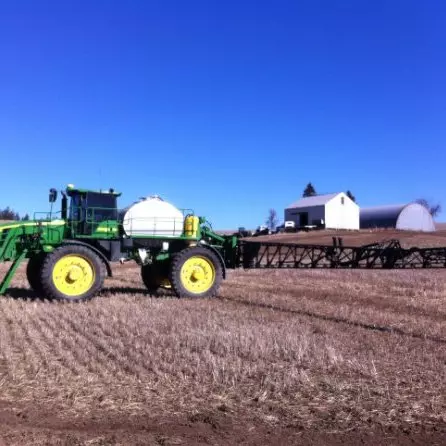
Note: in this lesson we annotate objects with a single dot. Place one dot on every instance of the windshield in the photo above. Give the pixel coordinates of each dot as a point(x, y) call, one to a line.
point(98, 207)
point(101, 206)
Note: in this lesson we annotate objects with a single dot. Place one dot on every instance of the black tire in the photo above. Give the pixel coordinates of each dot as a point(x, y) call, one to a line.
point(179, 260)
point(94, 265)
point(154, 275)
point(33, 269)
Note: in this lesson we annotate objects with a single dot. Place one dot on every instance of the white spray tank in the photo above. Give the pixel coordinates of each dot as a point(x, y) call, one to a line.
point(152, 216)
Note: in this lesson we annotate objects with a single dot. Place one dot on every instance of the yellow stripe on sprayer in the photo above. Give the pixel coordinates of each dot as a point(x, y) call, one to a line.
point(105, 230)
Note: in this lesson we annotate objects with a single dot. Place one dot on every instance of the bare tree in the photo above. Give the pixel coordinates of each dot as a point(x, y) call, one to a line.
point(272, 219)
point(434, 209)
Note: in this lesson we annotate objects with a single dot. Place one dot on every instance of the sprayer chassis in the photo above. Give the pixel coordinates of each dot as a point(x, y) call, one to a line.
point(192, 265)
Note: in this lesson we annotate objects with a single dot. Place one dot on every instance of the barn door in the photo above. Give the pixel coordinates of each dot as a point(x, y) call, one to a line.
point(303, 218)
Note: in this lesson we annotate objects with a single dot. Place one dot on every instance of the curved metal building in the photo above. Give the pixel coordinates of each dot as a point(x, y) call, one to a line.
point(409, 217)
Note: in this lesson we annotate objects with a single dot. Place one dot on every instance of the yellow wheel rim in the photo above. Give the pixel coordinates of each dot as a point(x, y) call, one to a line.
point(73, 275)
point(197, 274)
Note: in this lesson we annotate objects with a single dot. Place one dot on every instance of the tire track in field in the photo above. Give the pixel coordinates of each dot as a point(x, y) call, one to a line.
point(108, 356)
point(336, 297)
point(335, 319)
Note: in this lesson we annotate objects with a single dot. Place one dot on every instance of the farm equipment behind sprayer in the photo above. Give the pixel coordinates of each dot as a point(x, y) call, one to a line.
point(70, 251)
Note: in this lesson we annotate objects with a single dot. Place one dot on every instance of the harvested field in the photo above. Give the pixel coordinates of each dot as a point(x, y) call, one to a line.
point(280, 357)
point(361, 237)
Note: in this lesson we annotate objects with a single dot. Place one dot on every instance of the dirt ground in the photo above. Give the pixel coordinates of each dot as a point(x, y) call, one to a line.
point(302, 357)
point(30, 425)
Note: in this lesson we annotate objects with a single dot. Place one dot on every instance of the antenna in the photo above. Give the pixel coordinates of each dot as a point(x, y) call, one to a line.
point(100, 175)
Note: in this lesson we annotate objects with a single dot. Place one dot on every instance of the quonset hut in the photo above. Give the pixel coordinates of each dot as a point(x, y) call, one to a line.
point(409, 217)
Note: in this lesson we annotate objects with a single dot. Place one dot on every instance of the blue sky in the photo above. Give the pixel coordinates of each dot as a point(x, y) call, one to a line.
point(227, 107)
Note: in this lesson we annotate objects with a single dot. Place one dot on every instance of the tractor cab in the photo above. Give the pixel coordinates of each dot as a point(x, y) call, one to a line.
point(90, 211)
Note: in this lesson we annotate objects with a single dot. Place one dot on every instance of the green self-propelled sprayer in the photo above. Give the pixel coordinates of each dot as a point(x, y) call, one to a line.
point(70, 251)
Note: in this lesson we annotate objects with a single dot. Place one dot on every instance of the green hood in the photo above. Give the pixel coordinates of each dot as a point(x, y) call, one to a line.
point(29, 223)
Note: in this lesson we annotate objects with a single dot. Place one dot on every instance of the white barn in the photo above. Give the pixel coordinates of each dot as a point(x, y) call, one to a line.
point(332, 211)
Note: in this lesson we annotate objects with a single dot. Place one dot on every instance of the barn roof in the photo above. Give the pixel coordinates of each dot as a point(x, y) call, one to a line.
point(315, 200)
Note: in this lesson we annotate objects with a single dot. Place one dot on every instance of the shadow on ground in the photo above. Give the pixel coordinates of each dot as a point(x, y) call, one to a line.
point(28, 294)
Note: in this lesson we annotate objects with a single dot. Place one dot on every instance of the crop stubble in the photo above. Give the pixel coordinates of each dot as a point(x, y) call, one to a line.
point(290, 351)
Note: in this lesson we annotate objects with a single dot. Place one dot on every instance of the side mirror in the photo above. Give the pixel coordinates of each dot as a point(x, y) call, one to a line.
point(53, 195)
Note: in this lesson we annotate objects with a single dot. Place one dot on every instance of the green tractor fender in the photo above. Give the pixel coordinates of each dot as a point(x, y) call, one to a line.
point(218, 254)
point(95, 250)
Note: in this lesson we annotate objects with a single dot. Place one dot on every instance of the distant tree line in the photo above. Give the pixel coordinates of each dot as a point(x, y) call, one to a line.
point(9, 214)
point(310, 191)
